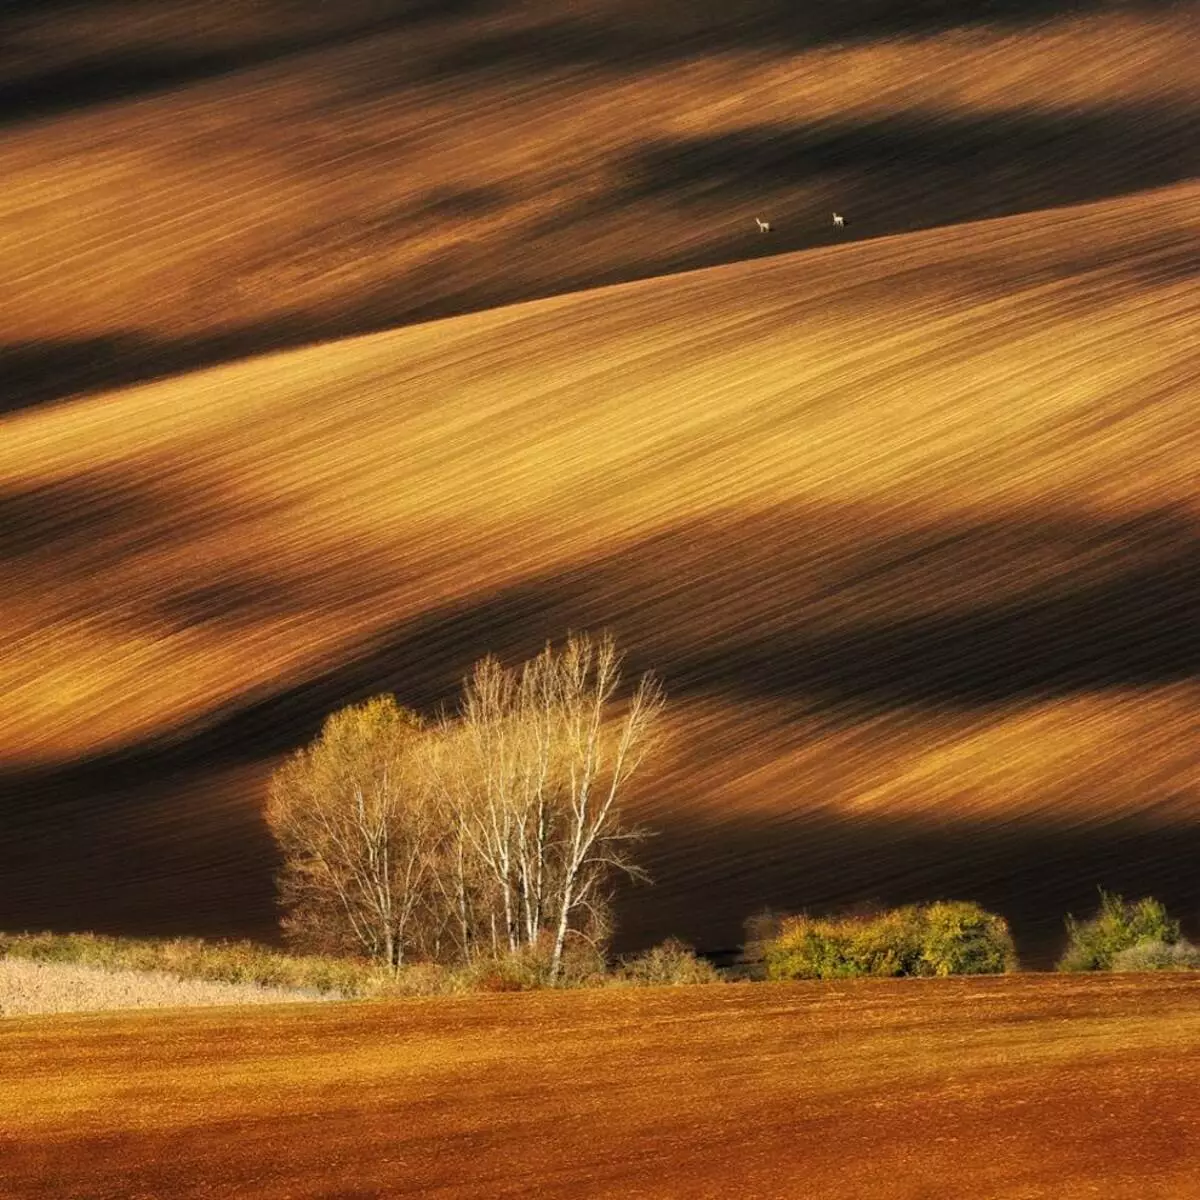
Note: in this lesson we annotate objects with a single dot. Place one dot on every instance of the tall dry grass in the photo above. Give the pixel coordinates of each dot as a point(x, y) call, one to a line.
point(230, 963)
point(28, 986)
point(48, 972)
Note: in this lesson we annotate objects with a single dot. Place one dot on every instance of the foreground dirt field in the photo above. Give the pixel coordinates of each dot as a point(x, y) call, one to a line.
point(1009, 1089)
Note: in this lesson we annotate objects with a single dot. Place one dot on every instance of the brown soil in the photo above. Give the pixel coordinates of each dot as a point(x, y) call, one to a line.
point(1017, 1087)
point(195, 180)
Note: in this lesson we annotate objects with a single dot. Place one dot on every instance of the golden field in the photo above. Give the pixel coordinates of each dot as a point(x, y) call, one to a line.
point(905, 519)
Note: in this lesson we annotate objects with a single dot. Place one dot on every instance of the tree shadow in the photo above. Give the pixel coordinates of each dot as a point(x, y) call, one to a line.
point(787, 609)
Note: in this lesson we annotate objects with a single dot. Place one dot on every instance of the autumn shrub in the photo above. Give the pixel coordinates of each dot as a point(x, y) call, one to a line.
point(1118, 925)
point(961, 938)
point(1158, 956)
point(669, 963)
point(521, 970)
point(531, 966)
point(939, 939)
point(422, 979)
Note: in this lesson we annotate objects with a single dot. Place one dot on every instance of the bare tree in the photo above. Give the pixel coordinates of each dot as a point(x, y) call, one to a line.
point(546, 753)
point(356, 820)
point(601, 757)
point(499, 782)
point(498, 831)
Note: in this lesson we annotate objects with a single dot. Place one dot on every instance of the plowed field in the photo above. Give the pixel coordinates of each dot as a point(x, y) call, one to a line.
point(908, 527)
point(998, 1088)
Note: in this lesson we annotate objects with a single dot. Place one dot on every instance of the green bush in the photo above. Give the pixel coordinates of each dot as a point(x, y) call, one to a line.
point(944, 938)
point(1119, 925)
point(1158, 956)
point(669, 963)
point(963, 939)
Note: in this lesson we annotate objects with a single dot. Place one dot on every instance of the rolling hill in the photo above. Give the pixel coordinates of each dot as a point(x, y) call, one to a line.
point(906, 521)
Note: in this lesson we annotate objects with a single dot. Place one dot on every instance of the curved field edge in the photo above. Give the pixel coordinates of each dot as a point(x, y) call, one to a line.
point(877, 1088)
point(187, 188)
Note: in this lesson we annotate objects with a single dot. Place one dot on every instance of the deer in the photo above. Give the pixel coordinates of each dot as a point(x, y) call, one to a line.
point(763, 226)
point(839, 222)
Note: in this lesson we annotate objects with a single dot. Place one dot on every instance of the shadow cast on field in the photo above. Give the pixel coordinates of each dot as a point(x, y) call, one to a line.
point(172, 869)
point(613, 35)
point(783, 608)
point(66, 529)
point(848, 607)
point(917, 170)
point(710, 877)
point(70, 82)
point(64, 517)
point(43, 371)
point(623, 35)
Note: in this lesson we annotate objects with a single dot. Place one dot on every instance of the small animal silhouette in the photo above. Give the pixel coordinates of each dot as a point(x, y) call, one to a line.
point(839, 222)
point(763, 226)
